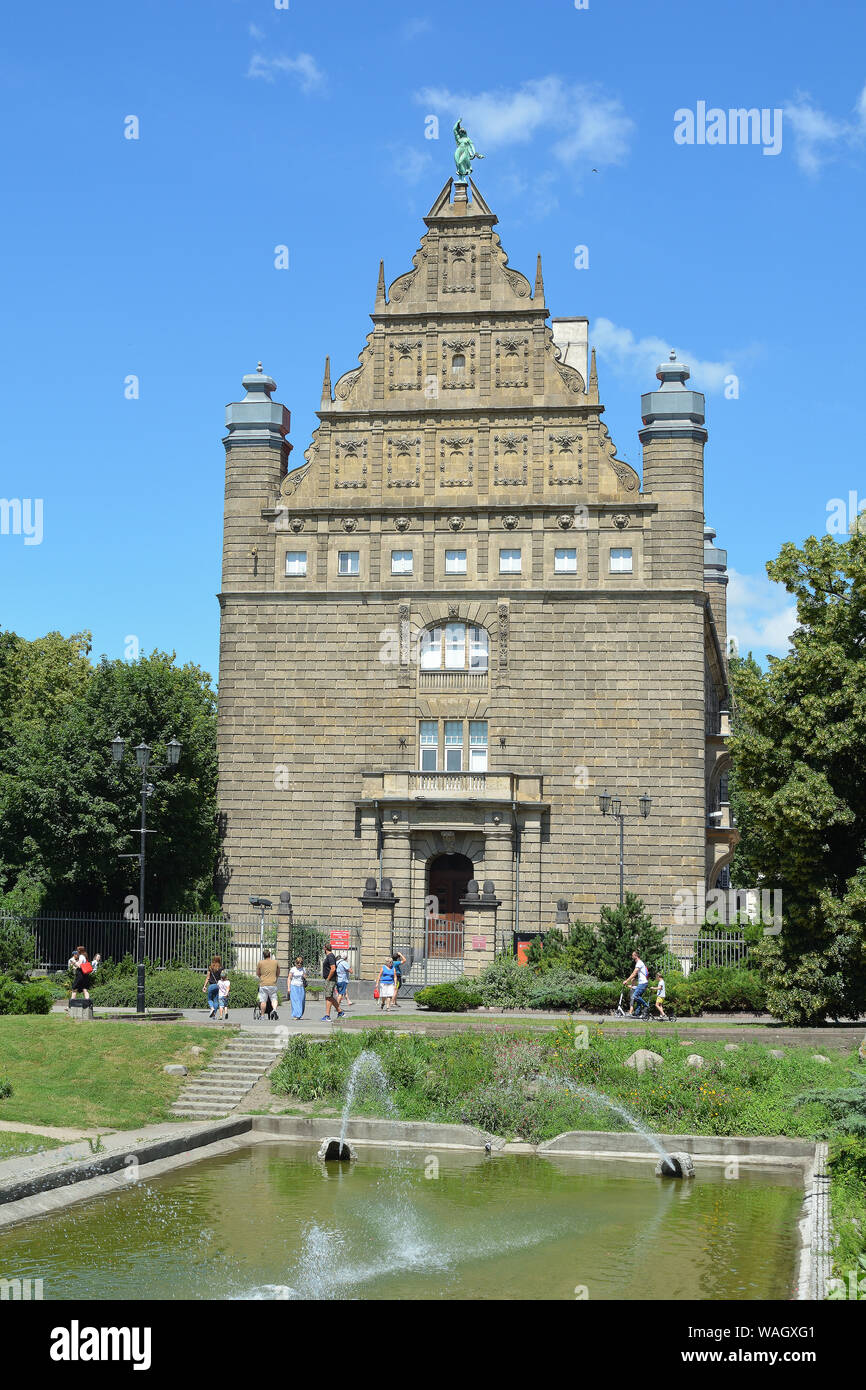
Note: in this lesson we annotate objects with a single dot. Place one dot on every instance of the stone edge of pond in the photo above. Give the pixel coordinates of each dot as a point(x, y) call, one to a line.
point(44, 1185)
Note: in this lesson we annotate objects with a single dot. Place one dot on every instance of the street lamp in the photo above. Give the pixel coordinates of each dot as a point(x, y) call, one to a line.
point(142, 757)
point(612, 805)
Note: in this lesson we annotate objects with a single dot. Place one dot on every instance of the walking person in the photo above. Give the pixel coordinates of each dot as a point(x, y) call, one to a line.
point(298, 987)
point(268, 971)
point(344, 970)
point(385, 983)
point(399, 961)
point(641, 975)
point(223, 987)
point(211, 986)
point(332, 989)
point(83, 972)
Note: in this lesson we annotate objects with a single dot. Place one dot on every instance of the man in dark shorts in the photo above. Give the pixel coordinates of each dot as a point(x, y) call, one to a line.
point(332, 989)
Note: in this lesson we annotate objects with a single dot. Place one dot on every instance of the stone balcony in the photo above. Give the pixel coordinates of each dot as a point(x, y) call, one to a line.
point(464, 681)
point(454, 786)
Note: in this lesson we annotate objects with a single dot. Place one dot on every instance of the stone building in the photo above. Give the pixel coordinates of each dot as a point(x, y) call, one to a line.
point(463, 618)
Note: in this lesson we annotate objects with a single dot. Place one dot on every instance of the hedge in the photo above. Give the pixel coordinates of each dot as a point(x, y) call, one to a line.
point(172, 989)
point(23, 999)
point(448, 998)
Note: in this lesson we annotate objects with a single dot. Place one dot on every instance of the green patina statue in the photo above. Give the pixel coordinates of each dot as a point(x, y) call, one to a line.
point(465, 152)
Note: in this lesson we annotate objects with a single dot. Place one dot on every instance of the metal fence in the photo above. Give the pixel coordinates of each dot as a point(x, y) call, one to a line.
point(433, 949)
point(178, 940)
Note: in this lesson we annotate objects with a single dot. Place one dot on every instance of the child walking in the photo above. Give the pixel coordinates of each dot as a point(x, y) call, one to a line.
point(224, 986)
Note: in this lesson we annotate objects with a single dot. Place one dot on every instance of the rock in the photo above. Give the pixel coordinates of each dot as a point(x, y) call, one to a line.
point(196, 1051)
point(732, 1047)
point(695, 1060)
point(644, 1060)
point(176, 1069)
point(777, 1053)
point(684, 1166)
point(819, 1057)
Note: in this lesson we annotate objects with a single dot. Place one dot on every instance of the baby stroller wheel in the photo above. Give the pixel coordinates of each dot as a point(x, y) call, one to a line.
point(257, 1011)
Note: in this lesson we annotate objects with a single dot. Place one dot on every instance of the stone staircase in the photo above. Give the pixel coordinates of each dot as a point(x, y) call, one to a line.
point(215, 1091)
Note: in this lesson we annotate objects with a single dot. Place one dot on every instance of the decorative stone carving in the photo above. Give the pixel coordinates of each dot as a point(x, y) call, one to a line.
point(350, 462)
point(511, 361)
point(458, 267)
point(509, 449)
point(456, 523)
point(572, 380)
point(503, 636)
point(346, 385)
point(451, 381)
point(519, 283)
point(404, 365)
point(453, 610)
point(456, 460)
point(620, 521)
point(349, 523)
point(297, 524)
point(402, 523)
point(564, 459)
point(405, 675)
point(565, 521)
point(400, 287)
point(510, 521)
point(402, 461)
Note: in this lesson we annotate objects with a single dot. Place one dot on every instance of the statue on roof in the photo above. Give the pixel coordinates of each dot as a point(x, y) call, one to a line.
point(464, 153)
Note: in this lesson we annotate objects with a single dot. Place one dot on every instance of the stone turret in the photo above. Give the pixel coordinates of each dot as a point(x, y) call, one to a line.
point(716, 584)
point(673, 438)
point(256, 462)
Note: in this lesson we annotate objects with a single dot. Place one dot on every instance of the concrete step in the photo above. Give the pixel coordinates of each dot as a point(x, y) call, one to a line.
point(239, 1072)
point(199, 1112)
point(216, 1083)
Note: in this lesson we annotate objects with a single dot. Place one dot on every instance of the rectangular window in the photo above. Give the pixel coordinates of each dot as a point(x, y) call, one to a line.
point(478, 745)
point(453, 745)
point(620, 561)
point(401, 561)
point(509, 562)
point(349, 562)
point(429, 745)
point(455, 647)
point(478, 654)
point(431, 649)
point(296, 562)
point(455, 561)
point(565, 562)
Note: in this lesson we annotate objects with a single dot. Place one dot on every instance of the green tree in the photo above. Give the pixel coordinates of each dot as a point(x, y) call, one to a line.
point(68, 813)
point(799, 749)
point(622, 930)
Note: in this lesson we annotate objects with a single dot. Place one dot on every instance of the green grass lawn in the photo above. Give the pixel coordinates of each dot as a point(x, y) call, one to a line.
point(97, 1075)
point(12, 1145)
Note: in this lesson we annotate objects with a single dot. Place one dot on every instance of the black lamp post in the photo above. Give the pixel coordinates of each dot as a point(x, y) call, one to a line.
point(142, 757)
point(612, 806)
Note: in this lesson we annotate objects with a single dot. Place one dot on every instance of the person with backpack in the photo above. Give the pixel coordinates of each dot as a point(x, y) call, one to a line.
point(641, 974)
point(332, 988)
point(268, 971)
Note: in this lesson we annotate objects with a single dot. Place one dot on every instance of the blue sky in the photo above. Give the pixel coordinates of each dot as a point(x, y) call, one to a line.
point(262, 126)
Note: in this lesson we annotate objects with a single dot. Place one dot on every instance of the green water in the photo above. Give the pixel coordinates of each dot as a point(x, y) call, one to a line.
point(272, 1222)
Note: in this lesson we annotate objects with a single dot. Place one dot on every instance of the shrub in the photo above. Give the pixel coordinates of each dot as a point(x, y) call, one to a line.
point(23, 999)
point(17, 949)
point(447, 998)
point(725, 989)
point(572, 952)
point(171, 989)
point(5, 1088)
point(505, 984)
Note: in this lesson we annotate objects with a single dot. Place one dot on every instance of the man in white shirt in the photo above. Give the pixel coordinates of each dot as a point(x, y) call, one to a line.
point(641, 974)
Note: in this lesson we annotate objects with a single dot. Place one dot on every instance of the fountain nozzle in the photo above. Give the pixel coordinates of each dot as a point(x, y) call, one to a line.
point(336, 1150)
point(679, 1165)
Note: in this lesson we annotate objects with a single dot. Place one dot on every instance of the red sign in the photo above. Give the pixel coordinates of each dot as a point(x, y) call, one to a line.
point(339, 941)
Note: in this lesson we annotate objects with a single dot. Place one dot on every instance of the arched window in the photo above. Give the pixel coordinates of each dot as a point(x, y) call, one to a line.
point(455, 647)
point(458, 364)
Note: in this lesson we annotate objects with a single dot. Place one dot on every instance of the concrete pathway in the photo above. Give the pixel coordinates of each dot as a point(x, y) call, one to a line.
point(51, 1131)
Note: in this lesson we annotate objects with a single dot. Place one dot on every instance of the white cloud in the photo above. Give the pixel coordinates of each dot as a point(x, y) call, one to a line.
point(820, 138)
point(584, 126)
point(409, 164)
point(304, 69)
point(639, 357)
point(761, 615)
point(414, 28)
point(256, 32)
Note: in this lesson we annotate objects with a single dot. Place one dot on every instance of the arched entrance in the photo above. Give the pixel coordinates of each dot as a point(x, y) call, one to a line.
point(448, 877)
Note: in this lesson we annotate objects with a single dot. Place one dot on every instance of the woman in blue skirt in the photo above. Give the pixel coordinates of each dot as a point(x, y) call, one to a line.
point(298, 987)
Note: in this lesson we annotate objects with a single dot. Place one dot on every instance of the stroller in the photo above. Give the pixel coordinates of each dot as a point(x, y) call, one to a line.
point(269, 1013)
